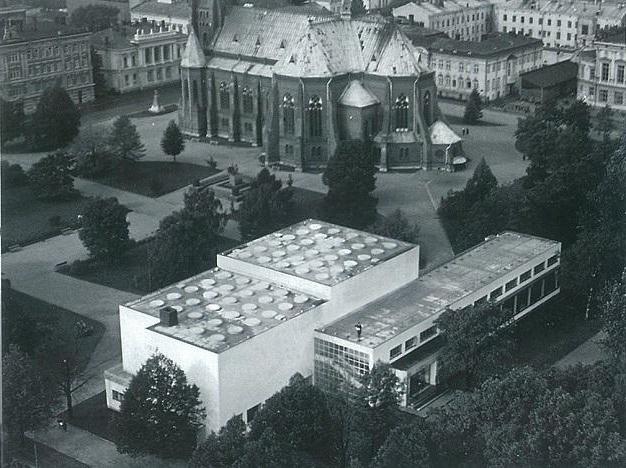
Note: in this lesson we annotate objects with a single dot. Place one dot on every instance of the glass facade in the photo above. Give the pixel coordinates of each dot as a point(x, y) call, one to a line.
point(337, 368)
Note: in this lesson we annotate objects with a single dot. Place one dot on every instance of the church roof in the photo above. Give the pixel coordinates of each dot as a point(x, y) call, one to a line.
point(193, 55)
point(442, 134)
point(355, 95)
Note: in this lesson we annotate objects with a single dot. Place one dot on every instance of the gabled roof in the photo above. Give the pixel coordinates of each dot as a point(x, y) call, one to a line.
point(441, 134)
point(356, 95)
point(193, 55)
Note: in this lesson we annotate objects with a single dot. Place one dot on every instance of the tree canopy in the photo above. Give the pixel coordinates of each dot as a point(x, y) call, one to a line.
point(161, 413)
point(12, 119)
point(473, 109)
point(104, 229)
point(223, 449)
point(186, 241)
point(51, 177)
point(56, 120)
point(266, 207)
point(94, 17)
point(125, 142)
point(397, 226)
point(351, 178)
point(172, 142)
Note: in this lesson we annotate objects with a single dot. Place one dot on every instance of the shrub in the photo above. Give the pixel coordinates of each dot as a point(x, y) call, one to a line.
point(13, 175)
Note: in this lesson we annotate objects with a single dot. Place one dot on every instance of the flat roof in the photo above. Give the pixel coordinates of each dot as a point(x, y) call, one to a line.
point(493, 44)
point(429, 295)
point(219, 309)
point(579, 8)
point(551, 75)
point(319, 251)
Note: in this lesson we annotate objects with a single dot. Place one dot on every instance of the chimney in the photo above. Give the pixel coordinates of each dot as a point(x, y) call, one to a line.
point(168, 317)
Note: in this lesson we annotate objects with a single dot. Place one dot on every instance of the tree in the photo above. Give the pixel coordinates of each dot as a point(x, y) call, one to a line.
point(172, 142)
point(161, 413)
point(473, 109)
point(28, 401)
point(268, 451)
point(605, 123)
point(221, 450)
point(351, 177)
point(186, 240)
point(104, 229)
point(613, 314)
point(92, 153)
point(51, 177)
point(99, 82)
point(56, 120)
point(125, 142)
point(266, 207)
point(405, 446)
point(397, 226)
point(357, 8)
point(298, 413)
point(478, 343)
point(94, 17)
point(12, 119)
point(13, 175)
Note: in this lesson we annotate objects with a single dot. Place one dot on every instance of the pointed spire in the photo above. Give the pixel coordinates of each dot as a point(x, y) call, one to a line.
point(193, 56)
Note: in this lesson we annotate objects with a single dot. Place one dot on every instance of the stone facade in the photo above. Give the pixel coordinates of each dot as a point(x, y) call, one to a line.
point(297, 85)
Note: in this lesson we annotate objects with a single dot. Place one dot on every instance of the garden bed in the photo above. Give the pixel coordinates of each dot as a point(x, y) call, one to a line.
point(131, 273)
point(155, 178)
point(26, 219)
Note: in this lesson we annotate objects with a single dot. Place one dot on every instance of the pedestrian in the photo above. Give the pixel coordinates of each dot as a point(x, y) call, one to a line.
point(467, 131)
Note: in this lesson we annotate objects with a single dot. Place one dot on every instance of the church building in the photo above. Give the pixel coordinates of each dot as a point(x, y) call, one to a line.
point(297, 81)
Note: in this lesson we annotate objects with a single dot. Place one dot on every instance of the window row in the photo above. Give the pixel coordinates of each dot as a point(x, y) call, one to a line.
point(459, 19)
point(412, 342)
point(531, 19)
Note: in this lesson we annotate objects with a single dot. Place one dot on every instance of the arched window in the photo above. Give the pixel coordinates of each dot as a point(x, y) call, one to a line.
point(248, 100)
point(468, 84)
point(440, 80)
point(475, 84)
point(427, 108)
point(288, 114)
point(315, 116)
point(401, 108)
point(224, 96)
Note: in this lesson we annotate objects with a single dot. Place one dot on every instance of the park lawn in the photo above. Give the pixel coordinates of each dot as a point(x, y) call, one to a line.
point(547, 335)
point(131, 272)
point(26, 219)
point(93, 415)
point(155, 178)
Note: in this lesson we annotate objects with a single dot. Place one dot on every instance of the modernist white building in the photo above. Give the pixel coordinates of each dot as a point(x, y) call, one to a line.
point(462, 20)
point(288, 302)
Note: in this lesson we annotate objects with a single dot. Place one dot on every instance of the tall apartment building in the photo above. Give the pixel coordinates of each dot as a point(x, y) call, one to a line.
point(136, 58)
point(491, 66)
point(558, 23)
point(288, 302)
point(461, 20)
point(601, 67)
point(37, 54)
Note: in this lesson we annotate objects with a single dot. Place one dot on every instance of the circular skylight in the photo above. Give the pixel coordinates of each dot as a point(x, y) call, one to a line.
point(173, 296)
point(322, 276)
point(377, 251)
point(252, 322)
point(370, 240)
point(315, 226)
point(357, 246)
point(192, 301)
point(300, 298)
point(289, 237)
point(242, 280)
point(307, 241)
point(156, 303)
point(293, 247)
point(214, 323)
point(363, 257)
point(350, 263)
point(229, 300)
point(263, 259)
point(226, 287)
point(249, 306)
point(268, 313)
point(210, 294)
point(285, 306)
point(234, 329)
point(213, 307)
point(191, 289)
point(178, 308)
point(344, 252)
point(390, 245)
point(302, 270)
point(223, 275)
point(302, 231)
point(316, 263)
point(207, 283)
point(265, 299)
point(260, 248)
point(330, 257)
point(333, 231)
point(231, 315)
point(217, 337)
point(197, 330)
point(246, 293)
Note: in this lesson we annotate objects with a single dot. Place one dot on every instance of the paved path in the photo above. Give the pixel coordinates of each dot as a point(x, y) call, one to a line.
point(589, 352)
point(95, 451)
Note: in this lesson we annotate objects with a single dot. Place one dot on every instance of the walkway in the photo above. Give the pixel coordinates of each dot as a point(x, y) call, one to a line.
point(589, 352)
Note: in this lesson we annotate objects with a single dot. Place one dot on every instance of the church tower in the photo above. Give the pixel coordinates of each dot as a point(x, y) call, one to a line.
point(192, 114)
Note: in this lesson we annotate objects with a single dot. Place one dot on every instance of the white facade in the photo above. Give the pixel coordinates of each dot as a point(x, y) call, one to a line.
point(268, 309)
point(460, 20)
point(493, 71)
point(557, 24)
point(601, 79)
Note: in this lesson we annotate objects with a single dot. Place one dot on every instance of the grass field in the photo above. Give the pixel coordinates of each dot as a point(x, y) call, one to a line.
point(155, 178)
point(26, 219)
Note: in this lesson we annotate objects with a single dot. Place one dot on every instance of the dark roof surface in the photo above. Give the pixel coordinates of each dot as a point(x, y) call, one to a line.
point(177, 10)
point(494, 44)
point(551, 75)
point(42, 30)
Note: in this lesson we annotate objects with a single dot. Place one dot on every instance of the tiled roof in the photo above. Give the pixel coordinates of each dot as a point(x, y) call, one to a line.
point(174, 10)
point(495, 44)
point(551, 75)
point(355, 95)
point(193, 56)
point(42, 30)
point(441, 134)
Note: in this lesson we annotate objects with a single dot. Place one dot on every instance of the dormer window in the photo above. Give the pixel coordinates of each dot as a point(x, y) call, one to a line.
point(282, 44)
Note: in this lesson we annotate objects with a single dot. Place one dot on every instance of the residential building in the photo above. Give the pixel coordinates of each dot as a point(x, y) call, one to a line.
point(557, 23)
point(460, 20)
point(601, 67)
point(37, 54)
point(298, 84)
point(491, 66)
point(289, 302)
point(134, 58)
